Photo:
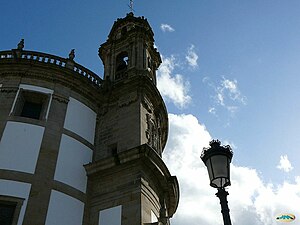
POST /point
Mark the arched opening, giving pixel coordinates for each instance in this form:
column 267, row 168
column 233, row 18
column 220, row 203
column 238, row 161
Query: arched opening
column 121, row 64
column 124, row 31
column 122, row 61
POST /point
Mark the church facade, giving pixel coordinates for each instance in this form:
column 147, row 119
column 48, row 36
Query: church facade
column 78, row 149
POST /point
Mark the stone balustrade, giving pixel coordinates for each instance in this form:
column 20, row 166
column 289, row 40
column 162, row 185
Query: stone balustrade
column 52, row 60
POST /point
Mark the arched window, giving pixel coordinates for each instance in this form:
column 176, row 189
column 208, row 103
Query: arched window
column 122, row 62
column 124, row 31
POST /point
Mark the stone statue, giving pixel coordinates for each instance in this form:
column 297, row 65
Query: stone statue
column 72, row 54
column 21, row 44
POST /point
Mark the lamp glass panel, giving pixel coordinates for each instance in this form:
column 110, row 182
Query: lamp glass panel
column 210, row 170
column 220, row 166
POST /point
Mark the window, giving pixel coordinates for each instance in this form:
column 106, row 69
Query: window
column 121, row 65
column 124, row 31
column 122, row 61
column 7, row 210
column 10, row 208
column 31, row 109
column 31, row 104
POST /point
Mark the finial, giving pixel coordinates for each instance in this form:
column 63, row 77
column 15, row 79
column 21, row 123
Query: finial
column 215, row 143
column 21, row 44
column 72, row 54
column 131, row 6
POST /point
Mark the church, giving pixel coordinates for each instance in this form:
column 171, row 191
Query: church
column 78, row 149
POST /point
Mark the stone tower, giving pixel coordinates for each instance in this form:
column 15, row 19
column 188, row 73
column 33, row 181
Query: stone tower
column 76, row 149
column 132, row 130
column 130, row 63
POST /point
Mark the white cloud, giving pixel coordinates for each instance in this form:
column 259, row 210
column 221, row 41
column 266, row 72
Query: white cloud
column 192, row 57
column 251, row 201
column 284, row 164
column 212, row 110
column 228, row 89
column 166, row 28
column 232, row 145
column 172, row 86
column 220, row 98
column 227, row 95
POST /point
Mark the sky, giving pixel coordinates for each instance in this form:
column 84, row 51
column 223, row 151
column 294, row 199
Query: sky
column 230, row 71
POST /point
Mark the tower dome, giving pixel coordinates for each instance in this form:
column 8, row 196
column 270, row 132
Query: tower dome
column 129, row 50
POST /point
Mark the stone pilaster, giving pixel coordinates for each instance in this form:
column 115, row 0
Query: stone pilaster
column 39, row 197
column 8, row 93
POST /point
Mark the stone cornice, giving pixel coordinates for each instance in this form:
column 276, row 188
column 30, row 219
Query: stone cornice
column 9, row 89
column 151, row 160
column 42, row 72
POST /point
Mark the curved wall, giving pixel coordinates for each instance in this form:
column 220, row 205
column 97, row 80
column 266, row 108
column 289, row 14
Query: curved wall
column 56, row 146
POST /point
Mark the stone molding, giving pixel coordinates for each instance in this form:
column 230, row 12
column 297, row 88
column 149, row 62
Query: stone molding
column 30, row 178
column 147, row 104
column 41, row 74
column 9, row 89
column 150, row 160
column 60, row 98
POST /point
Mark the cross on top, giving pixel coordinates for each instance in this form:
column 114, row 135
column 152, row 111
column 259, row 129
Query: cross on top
column 131, row 5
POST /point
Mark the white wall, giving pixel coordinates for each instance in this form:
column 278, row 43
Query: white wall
column 64, row 210
column 71, row 158
column 20, row 146
column 16, row 189
column 81, row 120
column 110, row 216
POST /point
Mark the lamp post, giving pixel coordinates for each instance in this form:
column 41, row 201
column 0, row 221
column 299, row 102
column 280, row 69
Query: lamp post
column 217, row 159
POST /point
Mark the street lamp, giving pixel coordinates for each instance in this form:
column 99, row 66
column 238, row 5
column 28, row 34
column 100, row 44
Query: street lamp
column 217, row 159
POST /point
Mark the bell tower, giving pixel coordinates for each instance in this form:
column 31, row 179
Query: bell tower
column 132, row 111
column 128, row 182
column 129, row 50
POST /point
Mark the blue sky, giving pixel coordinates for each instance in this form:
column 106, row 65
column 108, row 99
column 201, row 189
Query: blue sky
column 234, row 67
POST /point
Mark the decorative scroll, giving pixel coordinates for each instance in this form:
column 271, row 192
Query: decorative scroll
column 153, row 132
column 60, row 98
column 147, row 104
